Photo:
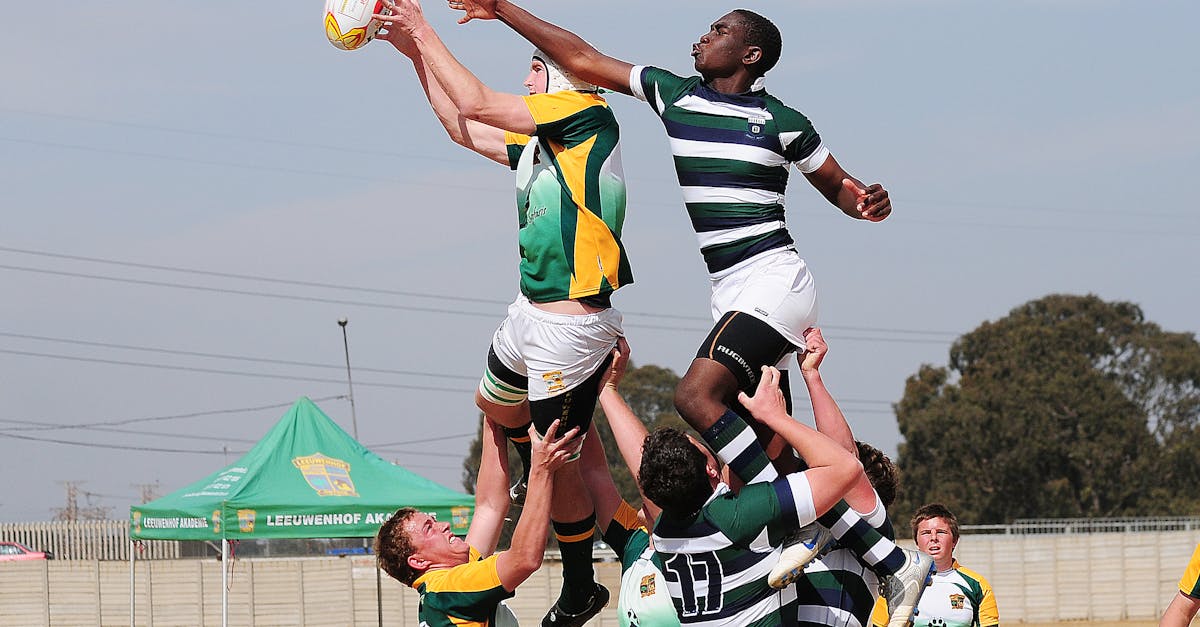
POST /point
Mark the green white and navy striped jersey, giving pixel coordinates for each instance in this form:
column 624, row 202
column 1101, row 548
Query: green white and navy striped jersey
column 716, row 563
column 467, row 595
column 837, row 589
column 731, row 157
column 570, row 198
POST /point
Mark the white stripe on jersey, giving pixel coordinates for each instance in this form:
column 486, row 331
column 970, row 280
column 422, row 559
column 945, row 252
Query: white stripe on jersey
column 806, row 510
column 724, row 150
column 692, row 544
column 635, row 83
column 809, row 164
column 697, row 193
column 710, row 238
column 695, row 104
column 744, row 441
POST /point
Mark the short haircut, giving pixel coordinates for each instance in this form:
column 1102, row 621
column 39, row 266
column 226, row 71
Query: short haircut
column 880, row 471
column 672, row 473
column 935, row 510
column 762, row 33
column 393, row 547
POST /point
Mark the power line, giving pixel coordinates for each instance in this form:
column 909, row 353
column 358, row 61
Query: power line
column 197, row 414
column 250, row 277
column 260, row 375
column 262, row 360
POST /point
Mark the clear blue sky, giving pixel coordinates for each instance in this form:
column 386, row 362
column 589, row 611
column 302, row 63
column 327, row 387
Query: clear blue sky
column 185, row 184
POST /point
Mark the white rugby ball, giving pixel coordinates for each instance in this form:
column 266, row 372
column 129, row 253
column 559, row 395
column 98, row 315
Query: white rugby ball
column 348, row 23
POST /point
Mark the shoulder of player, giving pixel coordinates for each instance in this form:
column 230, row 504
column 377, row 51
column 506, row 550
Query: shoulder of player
column 785, row 116
column 972, row 576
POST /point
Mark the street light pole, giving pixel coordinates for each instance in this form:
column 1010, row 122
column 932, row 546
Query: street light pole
column 342, row 322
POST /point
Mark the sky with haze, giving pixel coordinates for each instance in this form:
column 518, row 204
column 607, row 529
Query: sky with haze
column 194, row 194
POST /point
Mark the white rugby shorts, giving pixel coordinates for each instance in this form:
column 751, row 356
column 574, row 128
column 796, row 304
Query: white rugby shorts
column 555, row 352
column 775, row 287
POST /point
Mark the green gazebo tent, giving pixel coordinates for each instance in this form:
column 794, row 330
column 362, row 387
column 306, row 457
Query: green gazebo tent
column 307, row 478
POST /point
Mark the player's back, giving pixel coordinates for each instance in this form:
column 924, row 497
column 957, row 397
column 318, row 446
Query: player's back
column 716, row 563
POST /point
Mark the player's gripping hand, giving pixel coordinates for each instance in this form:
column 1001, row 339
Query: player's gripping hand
column 815, row 349
column 767, row 404
column 549, row 453
column 872, row 202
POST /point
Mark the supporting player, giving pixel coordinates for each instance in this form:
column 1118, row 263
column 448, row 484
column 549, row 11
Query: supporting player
column 464, row 582
column 547, row 356
column 957, row 596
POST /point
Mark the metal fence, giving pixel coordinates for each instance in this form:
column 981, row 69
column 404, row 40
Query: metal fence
column 86, row 540
column 1041, row 526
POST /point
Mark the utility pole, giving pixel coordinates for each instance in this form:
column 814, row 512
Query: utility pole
column 342, row 322
column 70, row 511
column 149, row 491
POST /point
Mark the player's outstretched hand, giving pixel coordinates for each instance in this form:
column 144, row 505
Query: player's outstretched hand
column 767, row 404
column 551, row 452
column 872, row 202
column 399, row 38
column 474, row 9
column 616, row 370
column 815, row 349
column 404, row 15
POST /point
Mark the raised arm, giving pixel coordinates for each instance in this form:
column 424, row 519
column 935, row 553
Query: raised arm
column 831, row 468
column 473, row 99
column 566, row 48
column 529, row 538
column 829, row 418
column 628, row 430
column 852, row 196
column 476, row 136
column 491, row 490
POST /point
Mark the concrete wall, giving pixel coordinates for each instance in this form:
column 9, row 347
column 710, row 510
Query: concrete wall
column 1038, row 579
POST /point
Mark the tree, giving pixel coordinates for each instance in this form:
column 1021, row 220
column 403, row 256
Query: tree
column 1070, row 406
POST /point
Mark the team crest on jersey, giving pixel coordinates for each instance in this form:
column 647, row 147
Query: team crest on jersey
column 957, row 601
column 755, row 125
column 647, row 586
column 326, row 475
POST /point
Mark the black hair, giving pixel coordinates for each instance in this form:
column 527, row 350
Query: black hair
column 673, row 473
column 762, row 33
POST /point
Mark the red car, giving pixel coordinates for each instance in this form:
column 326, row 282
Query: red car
column 14, row 551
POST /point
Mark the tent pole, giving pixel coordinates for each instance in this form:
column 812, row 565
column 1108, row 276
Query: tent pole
column 132, row 585
column 224, row 582
column 378, row 594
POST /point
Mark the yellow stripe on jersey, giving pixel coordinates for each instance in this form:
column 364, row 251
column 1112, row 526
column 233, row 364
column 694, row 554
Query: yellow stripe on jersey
column 596, row 251
column 475, row 576
column 627, row 517
column 546, row 108
column 1190, row 584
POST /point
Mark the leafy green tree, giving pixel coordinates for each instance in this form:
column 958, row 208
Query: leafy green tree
column 1070, row 406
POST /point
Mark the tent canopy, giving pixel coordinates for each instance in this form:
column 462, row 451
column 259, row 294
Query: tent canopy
column 307, row 478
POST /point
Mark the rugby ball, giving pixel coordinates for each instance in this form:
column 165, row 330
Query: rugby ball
column 348, row 23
